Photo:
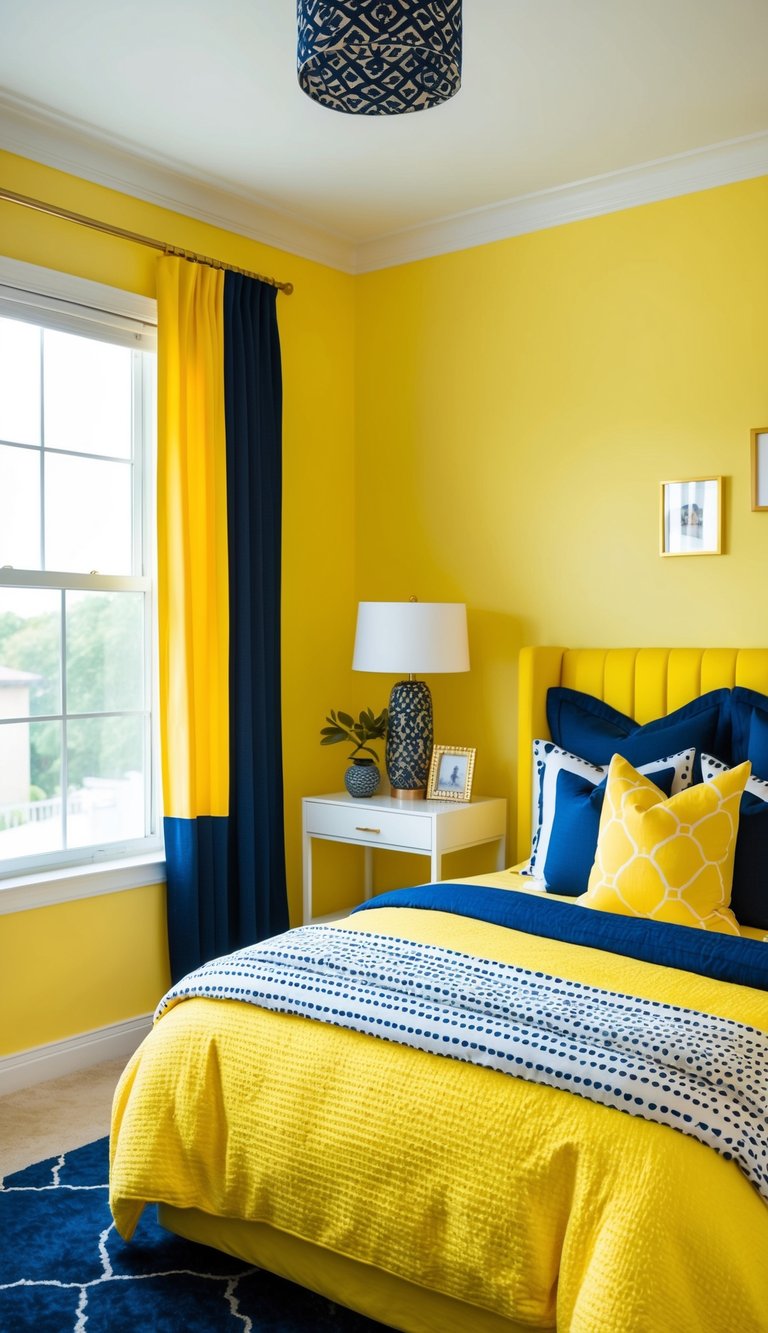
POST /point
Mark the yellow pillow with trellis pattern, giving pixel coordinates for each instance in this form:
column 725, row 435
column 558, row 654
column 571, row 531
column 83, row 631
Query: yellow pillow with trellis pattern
column 667, row 857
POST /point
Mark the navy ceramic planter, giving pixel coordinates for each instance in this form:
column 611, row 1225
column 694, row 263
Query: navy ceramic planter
column 362, row 778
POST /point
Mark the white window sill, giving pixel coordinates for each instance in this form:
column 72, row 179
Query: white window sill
column 22, row 893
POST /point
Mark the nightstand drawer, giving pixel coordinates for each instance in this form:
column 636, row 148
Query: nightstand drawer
column 356, row 824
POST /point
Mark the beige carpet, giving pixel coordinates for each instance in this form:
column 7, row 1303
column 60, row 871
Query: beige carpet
column 53, row 1117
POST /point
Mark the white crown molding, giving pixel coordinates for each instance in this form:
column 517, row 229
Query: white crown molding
column 40, row 1063
column 719, row 164
column 68, row 145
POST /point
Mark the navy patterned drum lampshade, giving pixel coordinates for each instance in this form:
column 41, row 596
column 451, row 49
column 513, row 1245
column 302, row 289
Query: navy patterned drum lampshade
column 379, row 57
column 411, row 637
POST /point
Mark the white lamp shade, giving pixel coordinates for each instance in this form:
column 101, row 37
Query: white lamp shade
column 414, row 637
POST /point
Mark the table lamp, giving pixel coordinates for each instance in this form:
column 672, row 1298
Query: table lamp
column 412, row 637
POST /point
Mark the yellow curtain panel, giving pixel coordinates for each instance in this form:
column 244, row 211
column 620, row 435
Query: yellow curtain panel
column 193, row 594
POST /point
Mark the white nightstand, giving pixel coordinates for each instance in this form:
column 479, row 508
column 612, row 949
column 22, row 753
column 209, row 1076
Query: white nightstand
column 429, row 828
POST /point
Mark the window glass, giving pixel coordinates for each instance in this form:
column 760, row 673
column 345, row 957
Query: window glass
column 19, row 507
column 105, row 767
column 19, row 382
column 30, row 789
column 88, row 508
column 30, row 652
column 98, row 376
column 105, row 651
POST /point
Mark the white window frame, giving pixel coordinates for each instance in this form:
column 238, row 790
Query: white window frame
column 77, row 305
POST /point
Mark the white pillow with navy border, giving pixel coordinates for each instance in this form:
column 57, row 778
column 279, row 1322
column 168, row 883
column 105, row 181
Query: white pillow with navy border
column 549, row 761
column 710, row 767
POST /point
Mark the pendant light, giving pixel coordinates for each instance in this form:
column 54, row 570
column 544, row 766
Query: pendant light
column 379, row 57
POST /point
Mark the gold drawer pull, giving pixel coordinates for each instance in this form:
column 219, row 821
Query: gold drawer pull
column 360, row 828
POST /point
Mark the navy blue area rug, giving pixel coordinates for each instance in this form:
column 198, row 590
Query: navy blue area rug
column 64, row 1268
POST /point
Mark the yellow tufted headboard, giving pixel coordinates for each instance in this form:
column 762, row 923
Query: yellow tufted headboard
column 642, row 682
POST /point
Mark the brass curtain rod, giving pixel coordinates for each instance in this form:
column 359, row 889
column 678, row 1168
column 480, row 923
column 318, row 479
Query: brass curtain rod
column 53, row 211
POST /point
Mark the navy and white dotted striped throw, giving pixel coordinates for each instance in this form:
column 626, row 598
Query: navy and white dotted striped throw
column 702, row 1075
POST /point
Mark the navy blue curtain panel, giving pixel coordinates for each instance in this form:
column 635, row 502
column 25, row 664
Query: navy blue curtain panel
column 253, row 412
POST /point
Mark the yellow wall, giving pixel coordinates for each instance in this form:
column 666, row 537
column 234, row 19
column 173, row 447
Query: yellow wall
column 81, row 965
column 518, row 405
column 317, row 333
column 489, row 426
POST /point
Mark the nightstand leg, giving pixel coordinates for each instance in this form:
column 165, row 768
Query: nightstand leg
column 436, row 866
column 368, row 872
column 501, row 854
column 307, row 878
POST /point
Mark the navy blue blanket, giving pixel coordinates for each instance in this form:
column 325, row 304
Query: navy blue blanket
column 723, row 957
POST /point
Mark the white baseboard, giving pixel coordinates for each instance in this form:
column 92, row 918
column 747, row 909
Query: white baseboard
column 25, row 1068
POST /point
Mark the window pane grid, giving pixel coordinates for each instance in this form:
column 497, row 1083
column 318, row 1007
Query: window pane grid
column 65, row 453
column 58, row 717
column 138, row 476
column 42, row 454
column 87, row 426
column 110, row 796
column 123, row 613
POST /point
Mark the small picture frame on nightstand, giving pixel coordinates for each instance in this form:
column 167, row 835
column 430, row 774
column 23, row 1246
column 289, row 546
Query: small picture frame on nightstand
column 450, row 773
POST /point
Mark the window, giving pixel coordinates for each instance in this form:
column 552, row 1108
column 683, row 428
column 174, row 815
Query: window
column 77, row 745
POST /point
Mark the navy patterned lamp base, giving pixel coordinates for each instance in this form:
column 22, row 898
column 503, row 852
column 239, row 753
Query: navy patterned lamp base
column 379, row 57
column 409, row 738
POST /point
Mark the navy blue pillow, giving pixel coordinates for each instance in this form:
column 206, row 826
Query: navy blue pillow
column 749, row 725
column 591, row 728
column 573, row 841
column 749, row 899
column 749, row 895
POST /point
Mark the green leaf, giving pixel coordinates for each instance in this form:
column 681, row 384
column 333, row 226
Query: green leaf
column 346, row 719
column 333, row 737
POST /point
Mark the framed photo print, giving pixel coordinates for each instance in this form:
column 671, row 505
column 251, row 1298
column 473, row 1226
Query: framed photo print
column 450, row 773
column 759, row 442
column 692, row 517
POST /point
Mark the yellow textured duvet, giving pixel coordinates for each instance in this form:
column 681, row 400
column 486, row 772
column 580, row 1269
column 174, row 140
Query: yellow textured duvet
column 521, row 1199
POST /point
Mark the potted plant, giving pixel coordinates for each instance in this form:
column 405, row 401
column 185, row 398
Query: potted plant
column 362, row 777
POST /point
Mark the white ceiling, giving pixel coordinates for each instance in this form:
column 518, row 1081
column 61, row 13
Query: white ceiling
column 553, row 92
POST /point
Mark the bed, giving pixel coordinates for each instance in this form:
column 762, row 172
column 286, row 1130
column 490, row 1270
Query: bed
column 434, row 1194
